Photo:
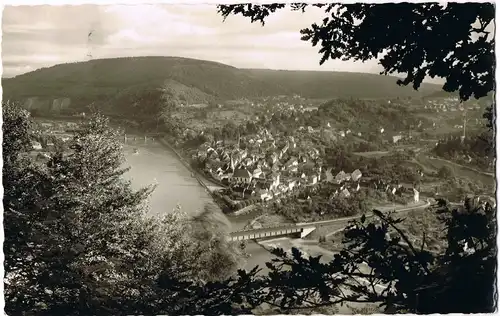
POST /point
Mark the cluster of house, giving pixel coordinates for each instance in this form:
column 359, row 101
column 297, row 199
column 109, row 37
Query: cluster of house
column 395, row 188
column 268, row 167
column 286, row 108
column 449, row 104
column 56, row 130
column 344, row 183
column 282, row 97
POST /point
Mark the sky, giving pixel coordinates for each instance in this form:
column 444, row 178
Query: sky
column 42, row 36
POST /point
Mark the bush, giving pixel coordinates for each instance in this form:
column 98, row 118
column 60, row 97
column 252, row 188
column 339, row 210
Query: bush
column 446, row 172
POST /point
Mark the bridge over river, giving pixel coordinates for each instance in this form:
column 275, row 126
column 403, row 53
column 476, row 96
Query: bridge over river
column 293, row 229
column 301, row 230
column 143, row 138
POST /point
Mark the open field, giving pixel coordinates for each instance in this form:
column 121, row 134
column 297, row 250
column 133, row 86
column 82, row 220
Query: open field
column 459, row 171
column 372, row 154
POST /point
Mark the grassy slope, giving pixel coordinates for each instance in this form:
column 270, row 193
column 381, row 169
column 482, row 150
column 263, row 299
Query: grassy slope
column 197, row 80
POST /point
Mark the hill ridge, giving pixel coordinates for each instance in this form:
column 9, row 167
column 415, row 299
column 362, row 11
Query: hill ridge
column 100, row 80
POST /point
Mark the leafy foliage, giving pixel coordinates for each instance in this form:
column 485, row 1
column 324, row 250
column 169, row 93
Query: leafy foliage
column 16, row 130
column 76, row 240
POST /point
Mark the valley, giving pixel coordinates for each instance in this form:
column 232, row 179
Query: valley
column 297, row 155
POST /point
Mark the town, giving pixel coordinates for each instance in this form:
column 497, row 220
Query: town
column 271, row 167
column 276, row 154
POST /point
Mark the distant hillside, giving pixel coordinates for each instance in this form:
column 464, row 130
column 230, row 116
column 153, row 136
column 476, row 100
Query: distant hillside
column 329, row 84
column 104, row 81
column 367, row 116
column 440, row 94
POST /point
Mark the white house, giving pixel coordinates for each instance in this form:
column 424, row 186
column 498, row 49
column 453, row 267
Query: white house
column 313, row 179
column 284, row 149
column 356, row 175
column 294, row 168
column 416, row 195
column 36, row 146
column 256, row 173
column 345, row 193
column 274, row 158
column 396, row 138
column 291, row 162
column 276, row 180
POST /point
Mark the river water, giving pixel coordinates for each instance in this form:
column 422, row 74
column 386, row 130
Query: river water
column 154, row 164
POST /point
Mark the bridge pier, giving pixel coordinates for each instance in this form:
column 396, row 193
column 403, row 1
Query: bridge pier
column 307, row 231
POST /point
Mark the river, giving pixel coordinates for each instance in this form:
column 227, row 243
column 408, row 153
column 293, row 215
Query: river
column 153, row 164
column 156, row 164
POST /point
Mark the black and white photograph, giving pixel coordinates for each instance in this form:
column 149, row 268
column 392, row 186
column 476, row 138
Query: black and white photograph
column 211, row 158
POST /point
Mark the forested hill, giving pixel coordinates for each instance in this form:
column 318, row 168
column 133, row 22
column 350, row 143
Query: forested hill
column 194, row 80
column 330, row 84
